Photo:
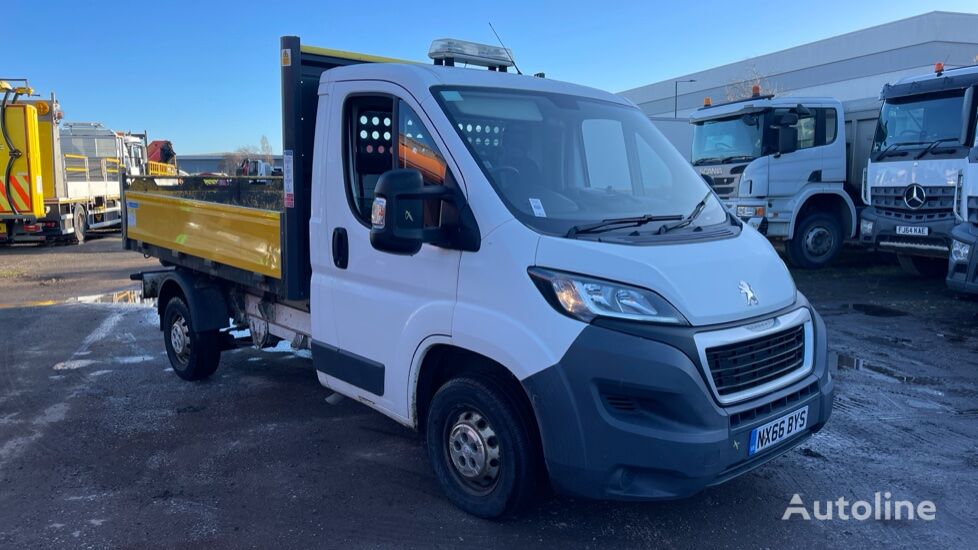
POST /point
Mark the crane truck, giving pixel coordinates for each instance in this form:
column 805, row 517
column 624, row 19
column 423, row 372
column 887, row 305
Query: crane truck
column 788, row 166
column 525, row 271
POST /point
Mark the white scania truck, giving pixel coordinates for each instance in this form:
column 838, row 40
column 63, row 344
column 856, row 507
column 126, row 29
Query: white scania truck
column 788, row 166
column 922, row 165
column 523, row 270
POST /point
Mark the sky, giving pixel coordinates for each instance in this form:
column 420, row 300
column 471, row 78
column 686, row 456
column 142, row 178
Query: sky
column 205, row 74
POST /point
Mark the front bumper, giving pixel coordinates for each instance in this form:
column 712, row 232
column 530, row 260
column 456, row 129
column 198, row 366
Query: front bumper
column 630, row 416
column 963, row 277
column 884, row 236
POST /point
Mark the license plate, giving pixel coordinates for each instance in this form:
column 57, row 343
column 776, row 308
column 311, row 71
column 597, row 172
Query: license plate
column 778, row 430
column 921, row 231
column 3, row 229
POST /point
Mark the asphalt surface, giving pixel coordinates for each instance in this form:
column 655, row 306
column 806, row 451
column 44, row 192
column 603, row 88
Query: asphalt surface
column 102, row 446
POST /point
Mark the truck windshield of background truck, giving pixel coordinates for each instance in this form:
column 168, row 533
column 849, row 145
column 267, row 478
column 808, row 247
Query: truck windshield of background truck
column 562, row 161
column 919, row 121
column 727, row 140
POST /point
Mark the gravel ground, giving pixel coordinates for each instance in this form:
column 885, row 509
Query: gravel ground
column 102, row 446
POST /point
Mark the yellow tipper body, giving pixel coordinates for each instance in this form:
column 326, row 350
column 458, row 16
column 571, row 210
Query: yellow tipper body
column 246, row 238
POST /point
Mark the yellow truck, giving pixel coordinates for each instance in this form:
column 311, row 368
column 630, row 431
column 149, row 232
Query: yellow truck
column 60, row 179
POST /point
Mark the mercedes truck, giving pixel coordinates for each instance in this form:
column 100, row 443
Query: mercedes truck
column 787, row 166
column 525, row 271
column 921, row 167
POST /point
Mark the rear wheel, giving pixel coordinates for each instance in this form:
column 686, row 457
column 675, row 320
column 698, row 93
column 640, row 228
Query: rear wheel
column 481, row 449
column 193, row 355
column 80, row 224
column 920, row 266
column 817, row 241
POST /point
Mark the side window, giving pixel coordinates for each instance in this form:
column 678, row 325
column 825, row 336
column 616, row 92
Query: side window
column 605, row 154
column 369, row 124
column 415, row 149
column 806, row 131
column 831, row 126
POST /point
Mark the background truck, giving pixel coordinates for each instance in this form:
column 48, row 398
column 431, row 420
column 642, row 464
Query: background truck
column 523, row 270
column 921, row 167
column 962, row 272
column 62, row 179
column 789, row 166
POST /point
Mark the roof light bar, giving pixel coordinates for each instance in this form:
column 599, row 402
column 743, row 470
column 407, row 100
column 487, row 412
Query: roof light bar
column 447, row 51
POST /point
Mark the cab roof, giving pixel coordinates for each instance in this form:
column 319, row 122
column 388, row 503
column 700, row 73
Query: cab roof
column 415, row 77
column 757, row 104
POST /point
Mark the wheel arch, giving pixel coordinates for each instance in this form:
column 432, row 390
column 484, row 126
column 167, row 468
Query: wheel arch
column 442, row 361
column 205, row 300
column 834, row 201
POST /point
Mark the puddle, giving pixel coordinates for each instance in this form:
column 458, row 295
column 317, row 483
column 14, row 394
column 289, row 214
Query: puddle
column 849, row 362
column 874, row 310
column 128, row 297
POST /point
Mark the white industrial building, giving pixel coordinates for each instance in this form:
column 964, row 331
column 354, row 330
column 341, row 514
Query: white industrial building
column 852, row 67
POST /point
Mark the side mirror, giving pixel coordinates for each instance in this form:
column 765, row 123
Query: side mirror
column 787, row 139
column 397, row 215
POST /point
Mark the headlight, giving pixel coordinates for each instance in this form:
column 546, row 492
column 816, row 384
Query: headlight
column 960, row 252
column 866, row 227
column 585, row 298
column 750, row 211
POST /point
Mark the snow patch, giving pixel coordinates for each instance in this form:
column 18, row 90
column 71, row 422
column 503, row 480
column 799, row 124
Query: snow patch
column 73, row 364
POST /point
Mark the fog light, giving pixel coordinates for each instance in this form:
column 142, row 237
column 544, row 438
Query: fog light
column 960, row 252
column 750, row 211
column 866, row 228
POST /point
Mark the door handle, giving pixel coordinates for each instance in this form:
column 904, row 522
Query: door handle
column 341, row 248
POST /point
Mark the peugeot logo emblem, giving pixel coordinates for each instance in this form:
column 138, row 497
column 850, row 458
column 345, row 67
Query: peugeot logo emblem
column 914, row 196
column 748, row 293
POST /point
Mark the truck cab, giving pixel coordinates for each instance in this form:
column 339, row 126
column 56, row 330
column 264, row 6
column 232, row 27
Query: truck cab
column 921, row 167
column 780, row 164
column 525, row 271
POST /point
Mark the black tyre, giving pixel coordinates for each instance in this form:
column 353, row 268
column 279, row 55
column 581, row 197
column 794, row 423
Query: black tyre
column 80, row 224
column 930, row 268
column 817, row 241
column 481, row 448
column 193, row 355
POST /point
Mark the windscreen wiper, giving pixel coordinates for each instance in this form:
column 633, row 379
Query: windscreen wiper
column 697, row 210
column 616, row 223
column 932, row 145
column 735, row 158
column 698, row 162
column 890, row 147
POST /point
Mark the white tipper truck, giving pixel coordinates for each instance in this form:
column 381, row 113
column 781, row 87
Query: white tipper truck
column 922, row 168
column 788, row 166
column 523, row 270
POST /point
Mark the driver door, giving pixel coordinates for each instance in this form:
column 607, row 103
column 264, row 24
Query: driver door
column 384, row 305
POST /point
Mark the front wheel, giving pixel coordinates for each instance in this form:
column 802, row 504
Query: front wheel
column 481, row 448
column 193, row 355
column 920, row 266
column 817, row 241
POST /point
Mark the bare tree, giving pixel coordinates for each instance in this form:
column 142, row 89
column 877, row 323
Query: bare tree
column 266, row 149
column 743, row 87
column 233, row 160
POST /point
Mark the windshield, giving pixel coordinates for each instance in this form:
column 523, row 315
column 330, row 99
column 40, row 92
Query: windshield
column 919, row 120
column 728, row 138
column 559, row 161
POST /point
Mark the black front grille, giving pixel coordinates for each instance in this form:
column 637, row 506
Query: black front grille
column 938, row 204
column 751, row 363
column 724, row 186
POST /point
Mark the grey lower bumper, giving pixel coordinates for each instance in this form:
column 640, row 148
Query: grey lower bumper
column 884, row 237
column 963, row 277
column 623, row 416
